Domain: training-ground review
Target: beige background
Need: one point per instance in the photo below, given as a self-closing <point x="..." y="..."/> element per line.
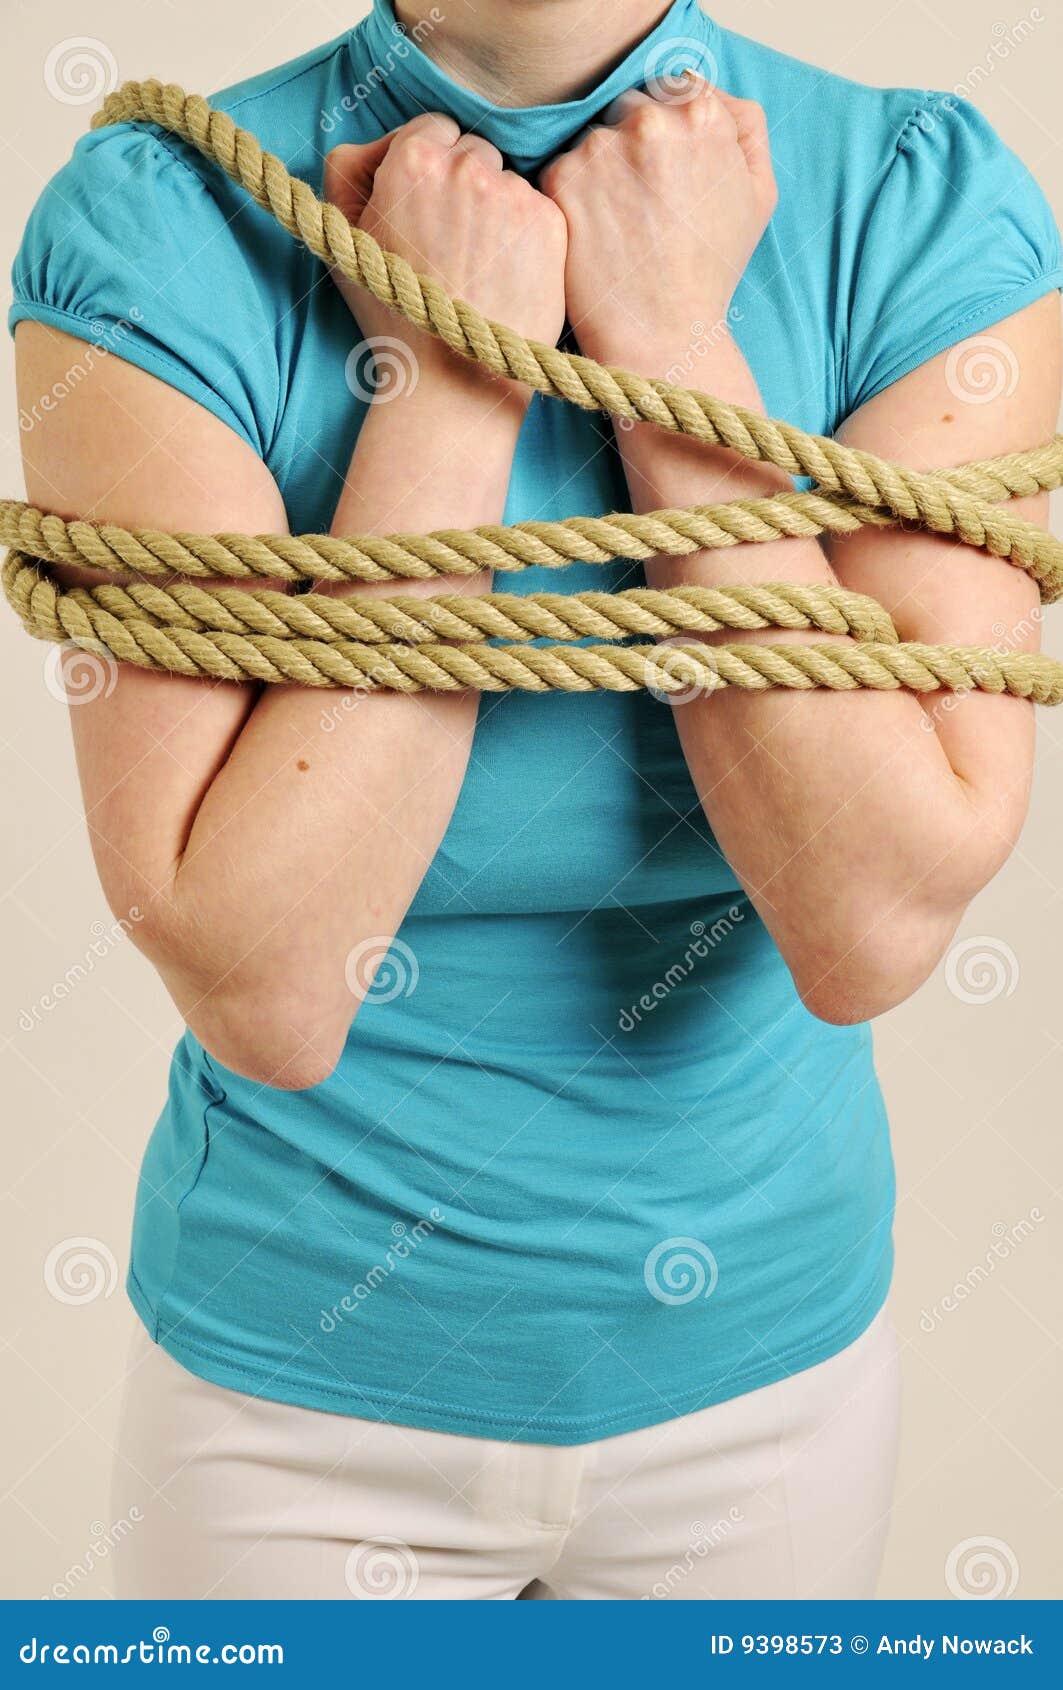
<point x="972" y="1066"/>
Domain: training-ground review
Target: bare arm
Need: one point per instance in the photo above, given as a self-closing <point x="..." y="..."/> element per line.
<point x="264" y="836"/>
<point x="862" y="824"/>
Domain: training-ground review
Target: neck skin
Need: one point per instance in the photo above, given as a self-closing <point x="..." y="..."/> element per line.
<point x="530" y="52"/>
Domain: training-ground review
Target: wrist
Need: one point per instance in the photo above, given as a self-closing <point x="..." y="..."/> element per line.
<point x="673" y="349"/>
<point x="450" y="414"/>
<point x="460" y="393"/>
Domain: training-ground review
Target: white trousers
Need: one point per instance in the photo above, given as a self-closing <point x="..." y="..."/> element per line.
<point x="782" y="1492"/>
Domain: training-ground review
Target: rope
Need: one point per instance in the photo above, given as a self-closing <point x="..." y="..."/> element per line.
<point x="410" y="644"/>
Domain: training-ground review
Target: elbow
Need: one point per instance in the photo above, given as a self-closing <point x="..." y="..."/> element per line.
<point x="880" y="941"/>
<point x="857" y="980"/>
<point x="299" y="1070"/>
<point x="252" y="1008"/>
<point x="255" y="1020"/>
<point x="848" y="1003"/>
<point x="274" y="1045"/>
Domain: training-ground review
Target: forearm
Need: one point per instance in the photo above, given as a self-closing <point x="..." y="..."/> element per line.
<point x="315" y="834"/>
<point x="841" y="815"/>
<point x="273" y="839"/>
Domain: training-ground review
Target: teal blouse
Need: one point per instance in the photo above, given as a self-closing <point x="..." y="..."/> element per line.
<point x="587" y="1162"/>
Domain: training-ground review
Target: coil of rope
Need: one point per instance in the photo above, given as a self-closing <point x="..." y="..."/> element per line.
<point x="163" y="619"/>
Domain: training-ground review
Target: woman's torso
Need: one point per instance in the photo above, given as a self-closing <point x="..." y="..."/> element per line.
<point x="586" y="1162"/>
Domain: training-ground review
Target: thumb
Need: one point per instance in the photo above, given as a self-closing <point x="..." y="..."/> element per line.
<point x="349" y="173"/>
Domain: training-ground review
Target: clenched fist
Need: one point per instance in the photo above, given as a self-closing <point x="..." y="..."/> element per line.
<point x="665" y="201"/>
<point x="443" y="201"/>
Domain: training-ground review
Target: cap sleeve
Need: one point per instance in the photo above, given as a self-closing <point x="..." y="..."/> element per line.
<point x="131" y="249"/>
<point x="958" y="236"/>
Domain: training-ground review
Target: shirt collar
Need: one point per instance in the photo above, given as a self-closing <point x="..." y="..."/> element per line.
<point x="397" y="81"/>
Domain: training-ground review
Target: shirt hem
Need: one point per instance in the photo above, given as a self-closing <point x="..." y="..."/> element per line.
<point x="976" y="321"/>
<point x="133" y="351"/>
<point x="361" y="1402"/>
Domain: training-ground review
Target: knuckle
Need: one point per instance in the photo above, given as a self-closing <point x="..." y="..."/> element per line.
<point x="334" y="176"/>
<point x="471" y="172"/>
<point x="417" y="154"/>
<point x="647" y="121"/>
<point x="335" y="156"/>
<point x="437" y="126"/>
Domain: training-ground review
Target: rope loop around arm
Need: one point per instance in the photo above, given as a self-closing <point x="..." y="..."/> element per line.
<point x="157" y="616"/>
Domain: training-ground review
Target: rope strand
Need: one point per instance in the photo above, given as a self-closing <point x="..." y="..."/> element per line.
<point x="158" y="617"/>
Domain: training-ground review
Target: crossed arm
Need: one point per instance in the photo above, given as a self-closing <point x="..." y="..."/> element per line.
<point x="862" y="824"/>
<point x="261" y="847"/>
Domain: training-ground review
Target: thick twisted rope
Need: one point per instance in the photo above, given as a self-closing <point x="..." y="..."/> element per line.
<point x="409" y="644"/>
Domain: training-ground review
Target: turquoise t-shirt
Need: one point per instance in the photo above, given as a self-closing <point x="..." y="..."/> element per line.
<point x="587" y="1162"/>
